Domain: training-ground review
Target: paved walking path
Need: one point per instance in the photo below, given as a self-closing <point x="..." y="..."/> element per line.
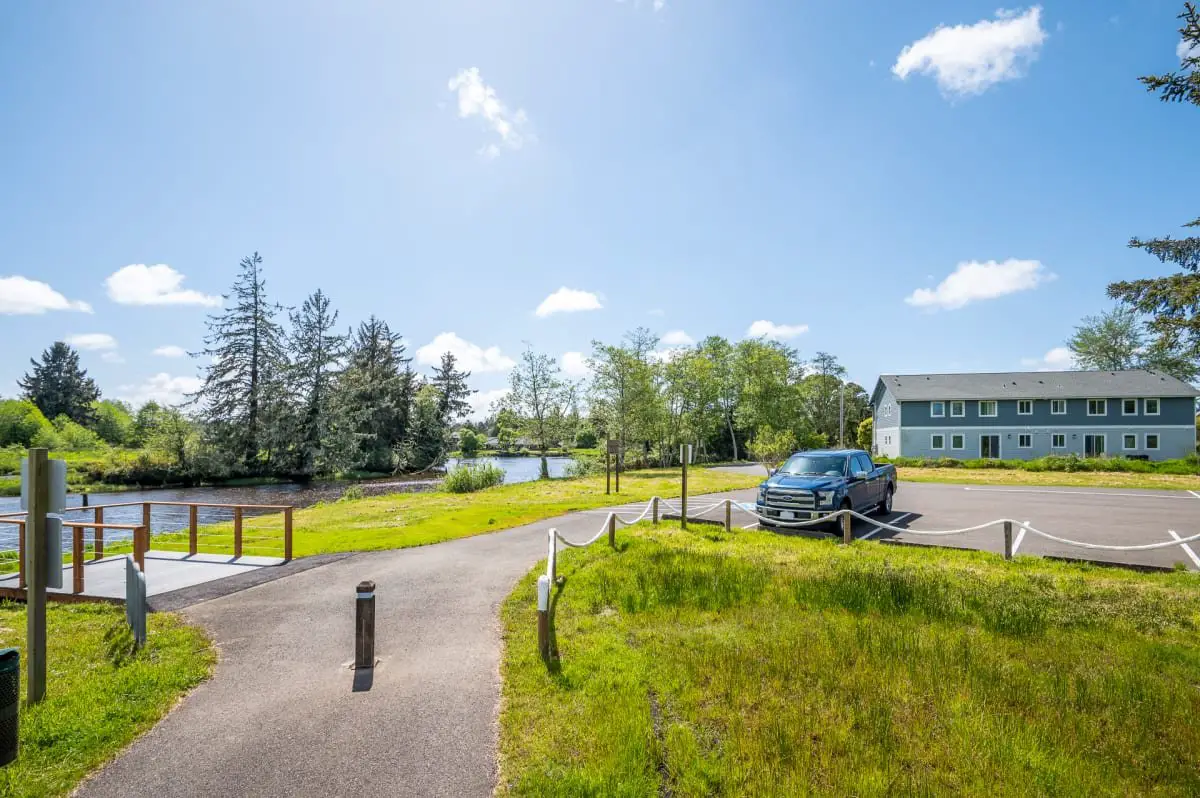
<point x="283" y="715"/>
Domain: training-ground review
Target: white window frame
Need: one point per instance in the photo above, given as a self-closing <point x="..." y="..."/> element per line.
<point x="1097" y="415"/>
<point x="1056" y="435"/>
<point x="1022" y="435"/>
<point x="995" y="406"/>
<point x="1058" y="403"/>
<point x="999" y="445"/>
<point x="1135" y="407"/>
<point x="1157" y="407"/>
<point x="1125" y="441"/>
<point x="933" y="404"/>
<point x="962" y="441"/>
<point x="935" y="435"/>
<point x="962" y="408"/>
<point x="1023" y="401"/>
<point x="1102" y="436"/>
<point x="1157" y="441"/>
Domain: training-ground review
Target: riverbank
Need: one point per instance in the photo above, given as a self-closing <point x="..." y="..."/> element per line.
<point x="701" y="663"/>
<point x="99" y="696"/>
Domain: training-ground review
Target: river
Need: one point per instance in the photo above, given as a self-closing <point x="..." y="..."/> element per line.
<point x="170" y="519"/>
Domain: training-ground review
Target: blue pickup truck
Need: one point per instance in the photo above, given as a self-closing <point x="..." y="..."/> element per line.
<point x="812" y="484"/>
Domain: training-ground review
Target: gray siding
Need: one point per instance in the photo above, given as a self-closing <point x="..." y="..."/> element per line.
<point x="1173" y="443"/>
<point x="886" y="425"/>
<point x="1174" y="411"/>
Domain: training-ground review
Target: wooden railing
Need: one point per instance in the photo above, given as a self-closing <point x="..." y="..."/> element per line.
<point x="141" y="533"/>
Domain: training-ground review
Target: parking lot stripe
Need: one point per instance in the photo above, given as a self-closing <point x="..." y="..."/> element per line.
<point x="878" y="529"/>
<point x="1020" y="537"/>
<point x="1186" y="548"/>
<point x="1194" y="494"/>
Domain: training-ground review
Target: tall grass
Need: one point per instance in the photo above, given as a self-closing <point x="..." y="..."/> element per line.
<point x="469" y="478"/>
<point x="710" y="664"/>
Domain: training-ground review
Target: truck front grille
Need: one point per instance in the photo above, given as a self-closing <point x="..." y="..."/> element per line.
<point x="791" y="499"/>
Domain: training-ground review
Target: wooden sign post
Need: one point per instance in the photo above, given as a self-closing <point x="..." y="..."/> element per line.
<point x="612" y="455"/>
<point x="36" y="573"/>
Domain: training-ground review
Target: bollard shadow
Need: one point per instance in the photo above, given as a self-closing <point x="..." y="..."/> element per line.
<point x="552" y="662"/>
<point x="364" y="678"/>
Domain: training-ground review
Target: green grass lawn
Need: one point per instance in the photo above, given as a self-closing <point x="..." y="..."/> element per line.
<point x="699" y="663"/>
<point x="1074" y="479"/>
<point x="98" y="696"/>
<point x="417" y="519"/>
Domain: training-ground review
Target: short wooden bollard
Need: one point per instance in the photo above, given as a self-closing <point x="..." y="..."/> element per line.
<point x="193" y="522"/>
<point x="543" y="616"/>
<point x="98" y="533"/>
<point x="364" y="625"/>
<point x="237" y="532"/>
<point x="729" y="515"/>
<point x="77" y="560"/>
<point x="612" y="530"/>
<point x="1008" y="540"/>
<point x="654" y="511"/>
<point x="847" y="526"/>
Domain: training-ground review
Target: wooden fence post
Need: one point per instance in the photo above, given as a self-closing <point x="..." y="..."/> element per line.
<point x="1008" y="540"/>
<point x="237" y="532"/>
<point x="146" y="521"/>
<point x="139" y="547"/>
<point x="21" y="555"/>
<point x="612" y="530"/>
<point x="287" y="534"/>
<point x="192" y="523"/>
<point x="98" y="533"/>
<point x="543" y="616"/>
<point x="847" y="526"/>
<point x="77" y="559"/>
<point x="37" y="574"/>
<point x="654" y="504"/>
<point x="729" y="515"/>
<point x="683" y="456"/>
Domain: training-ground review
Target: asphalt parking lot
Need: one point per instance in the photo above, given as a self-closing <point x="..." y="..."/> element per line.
<point x="1117" y="517"/>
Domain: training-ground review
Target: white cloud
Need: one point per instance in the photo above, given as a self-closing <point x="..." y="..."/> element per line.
<point x="92" y="341"/>
<point x="779" y="332"/>
<point x="659" y="5"/>
<point x="677" y="338"/>
<point x="1057" y="359"/>
<point x="20" y="296"/>
<point x="482" y="402"/>
<point x="471" y="357"/>
<point x="568" y="300"/>
<point x="656" y="312"/>
<point x="968" y="59"/>
<point x="666" y="354"/>
<point x="161" y="388"/>
<point x="170" y="350"/>
<point x="139" y="284"/>
<point x="973" y="281"/>
<point x="575" y="365"/>
<point x="476" y="98"/>
<point x="112" y="357"/>
<point x="1184" y="51"/>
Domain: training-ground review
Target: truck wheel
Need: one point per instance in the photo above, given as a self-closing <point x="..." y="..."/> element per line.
<point x="885" y="506"/>
<point x="835" y="526"/>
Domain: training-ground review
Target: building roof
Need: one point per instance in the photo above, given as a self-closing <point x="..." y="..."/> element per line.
<point x="1034" y="385"/>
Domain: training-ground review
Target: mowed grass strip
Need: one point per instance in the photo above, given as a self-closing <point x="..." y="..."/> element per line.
<point x="699" y="663"/>
<point x="99" y="694"/>
<point x="1067" y="479"/>
<point x="417" y="519"/>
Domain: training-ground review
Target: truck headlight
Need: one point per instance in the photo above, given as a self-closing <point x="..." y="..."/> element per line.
<point x="826" y="497"/>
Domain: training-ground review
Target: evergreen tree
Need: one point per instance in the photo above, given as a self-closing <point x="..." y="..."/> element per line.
<point x="1172" y="302"/>
<point x="427" y="442"/>
<point x="59" y="386"/>
<point x="242" y="394"/>
<point x="321" y="434"/>
<point x="378" y="387"/>
<point x="454" y="402"/>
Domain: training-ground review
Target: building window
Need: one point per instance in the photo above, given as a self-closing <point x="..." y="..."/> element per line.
<point x="937" y="441"/>
<point x="958" y="442"/>
<point x="958" y="409"/>
<point x="1152" y="406"/>
<point x="1058" y="407"/>
<point x="1024" y="441"/>
<point x="1058" y="441"/>
<point x="1097" y="407"/>
<point x="1129" y="407"/>
<point x="988" y="408"/>
<point x="937" y="409"/>
<point x="1024" y="407"/>
<point x="1129" y="442"/>
<point x="1152" y="441"/>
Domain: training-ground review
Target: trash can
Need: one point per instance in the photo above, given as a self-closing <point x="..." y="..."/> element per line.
<point x="10" y="702"/>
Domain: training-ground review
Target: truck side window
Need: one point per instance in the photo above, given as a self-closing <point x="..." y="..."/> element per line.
<point x="861" y="463"/>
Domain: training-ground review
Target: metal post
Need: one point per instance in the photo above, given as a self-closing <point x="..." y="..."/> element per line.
<point x="842" y="416"/>
<point x="729" y="515"/>
<point x="364" y="625"/>
<point x="1008" y="540"/>
<point x="36" y="574"/>
<point x="654" y="504"/>
<point x="847" y="526"/>
<point x="85" y="499"/>
<point x="543" y="616"/>
<point x="612" y="530"/>
<point x="683" y="456"/>
<point x="287" y="534"/>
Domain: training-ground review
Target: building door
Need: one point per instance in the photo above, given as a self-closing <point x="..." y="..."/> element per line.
<point x="989" y="447"/>
<point x="1093" y="445"/>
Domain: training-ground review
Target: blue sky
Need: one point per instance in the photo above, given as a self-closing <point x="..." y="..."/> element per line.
<point x="855" y="181"/>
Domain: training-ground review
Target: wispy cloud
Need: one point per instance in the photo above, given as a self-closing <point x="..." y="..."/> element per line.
<point x="20" y="296"/>
<point x="568" y="300"/>
<point x="139" y="284"/>
<point x="170" y="350"/>
<point x="677" y="338"/>
<point x="969" y="59"/>
<point x="162" y="388"/>
<point x="96" y="342"/>
<point x="575" y="365"/>
<point x="471" y="357"/>
<point x="482" y="403"/>
<point x="974" y="281"/>
<point x="778" y="332"/>
<point x="478" y="99"/>
<point x="1057" y="359"/>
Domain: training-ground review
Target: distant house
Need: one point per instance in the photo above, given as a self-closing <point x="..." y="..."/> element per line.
<point x="1023" y="415"/>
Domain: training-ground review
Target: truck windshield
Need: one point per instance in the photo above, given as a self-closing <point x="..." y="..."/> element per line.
<point x="828" y="465"/>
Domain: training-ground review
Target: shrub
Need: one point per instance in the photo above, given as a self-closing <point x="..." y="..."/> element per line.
<point x="468" y="443"/>
<point x="20" y="423"/>
<point x="351" y="494"/>
<point x="586" y="439"/>
<point x="584" y="465"/>
<point x="470" y="478"/>
<point x="74" y="437"/>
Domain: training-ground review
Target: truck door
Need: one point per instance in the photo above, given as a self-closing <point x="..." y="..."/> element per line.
<point x="860" y="489"/>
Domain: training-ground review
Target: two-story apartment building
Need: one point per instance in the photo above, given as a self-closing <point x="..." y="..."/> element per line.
<point x="1023" y="415"/>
